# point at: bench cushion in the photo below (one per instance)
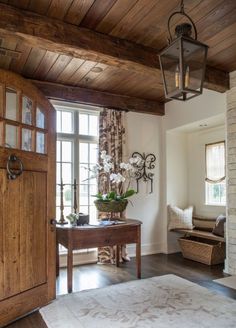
(203, 223)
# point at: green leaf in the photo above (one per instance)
(128, 193)
(98, 196)
(112, 195)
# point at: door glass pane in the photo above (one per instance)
(27, 110)
(83, 152)
(11, 136)
(40, 143)
(83, 124)
(11, 104)
(66, 151)
(26, 140)
(93, 125)
(40, 118)
(66, 122)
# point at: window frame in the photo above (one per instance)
(208, 183)
(75, 137)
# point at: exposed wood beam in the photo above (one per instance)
(98, 98)
(67, 39)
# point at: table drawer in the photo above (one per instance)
(105, 237)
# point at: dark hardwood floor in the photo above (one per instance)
(97, 276)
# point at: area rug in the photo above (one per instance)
(227, 281)
(160, 302)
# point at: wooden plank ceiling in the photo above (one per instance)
(142, 22)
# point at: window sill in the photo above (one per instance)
(215, 205)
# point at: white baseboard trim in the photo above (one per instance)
(146, 249)
(79, 258)
(89, 257)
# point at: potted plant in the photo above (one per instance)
(114, 183)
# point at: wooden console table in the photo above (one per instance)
(82, 237)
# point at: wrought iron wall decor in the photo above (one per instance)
(144, 165)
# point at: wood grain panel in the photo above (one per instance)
(39, 7)
(97, 98)
(114, 15)
(77, 11)
(10, 238)
(19, 3)
(133, 17)
(218, 19)
(58, 8)
(45, 65)
(69, 70)
(81, 72)
(33, 61)
(10, 44)
(227, 55)
(91, 75)
(96, 13)
(33, 229)
(17, 65)
(59, 65)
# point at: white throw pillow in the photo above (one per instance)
(180, 219)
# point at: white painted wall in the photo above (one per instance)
(179, 113)
(176, 177)
(144, 134)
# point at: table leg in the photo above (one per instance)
(117, 255)
(138, 253)
(69, 268)
(57, 258)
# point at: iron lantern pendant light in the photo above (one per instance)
(183, 61)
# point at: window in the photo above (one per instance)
(77, 151)
(215, 186)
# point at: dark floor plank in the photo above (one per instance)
(98, 276)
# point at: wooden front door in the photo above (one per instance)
(27, 198)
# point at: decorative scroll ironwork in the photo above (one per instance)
(144, 165)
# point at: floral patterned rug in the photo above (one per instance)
(160, 302)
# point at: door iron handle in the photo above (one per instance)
(12, 174)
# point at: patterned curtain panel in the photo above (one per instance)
(111, 139)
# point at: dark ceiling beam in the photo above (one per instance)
(98, 98)
(57, 36)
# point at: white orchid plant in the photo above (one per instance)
(114, 181)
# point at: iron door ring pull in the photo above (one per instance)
(12, 174)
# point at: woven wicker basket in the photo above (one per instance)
(202, 250)
(112, 206)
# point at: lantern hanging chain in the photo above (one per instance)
(181, 12)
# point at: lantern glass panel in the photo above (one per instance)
(194, 55)
(170, 67)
